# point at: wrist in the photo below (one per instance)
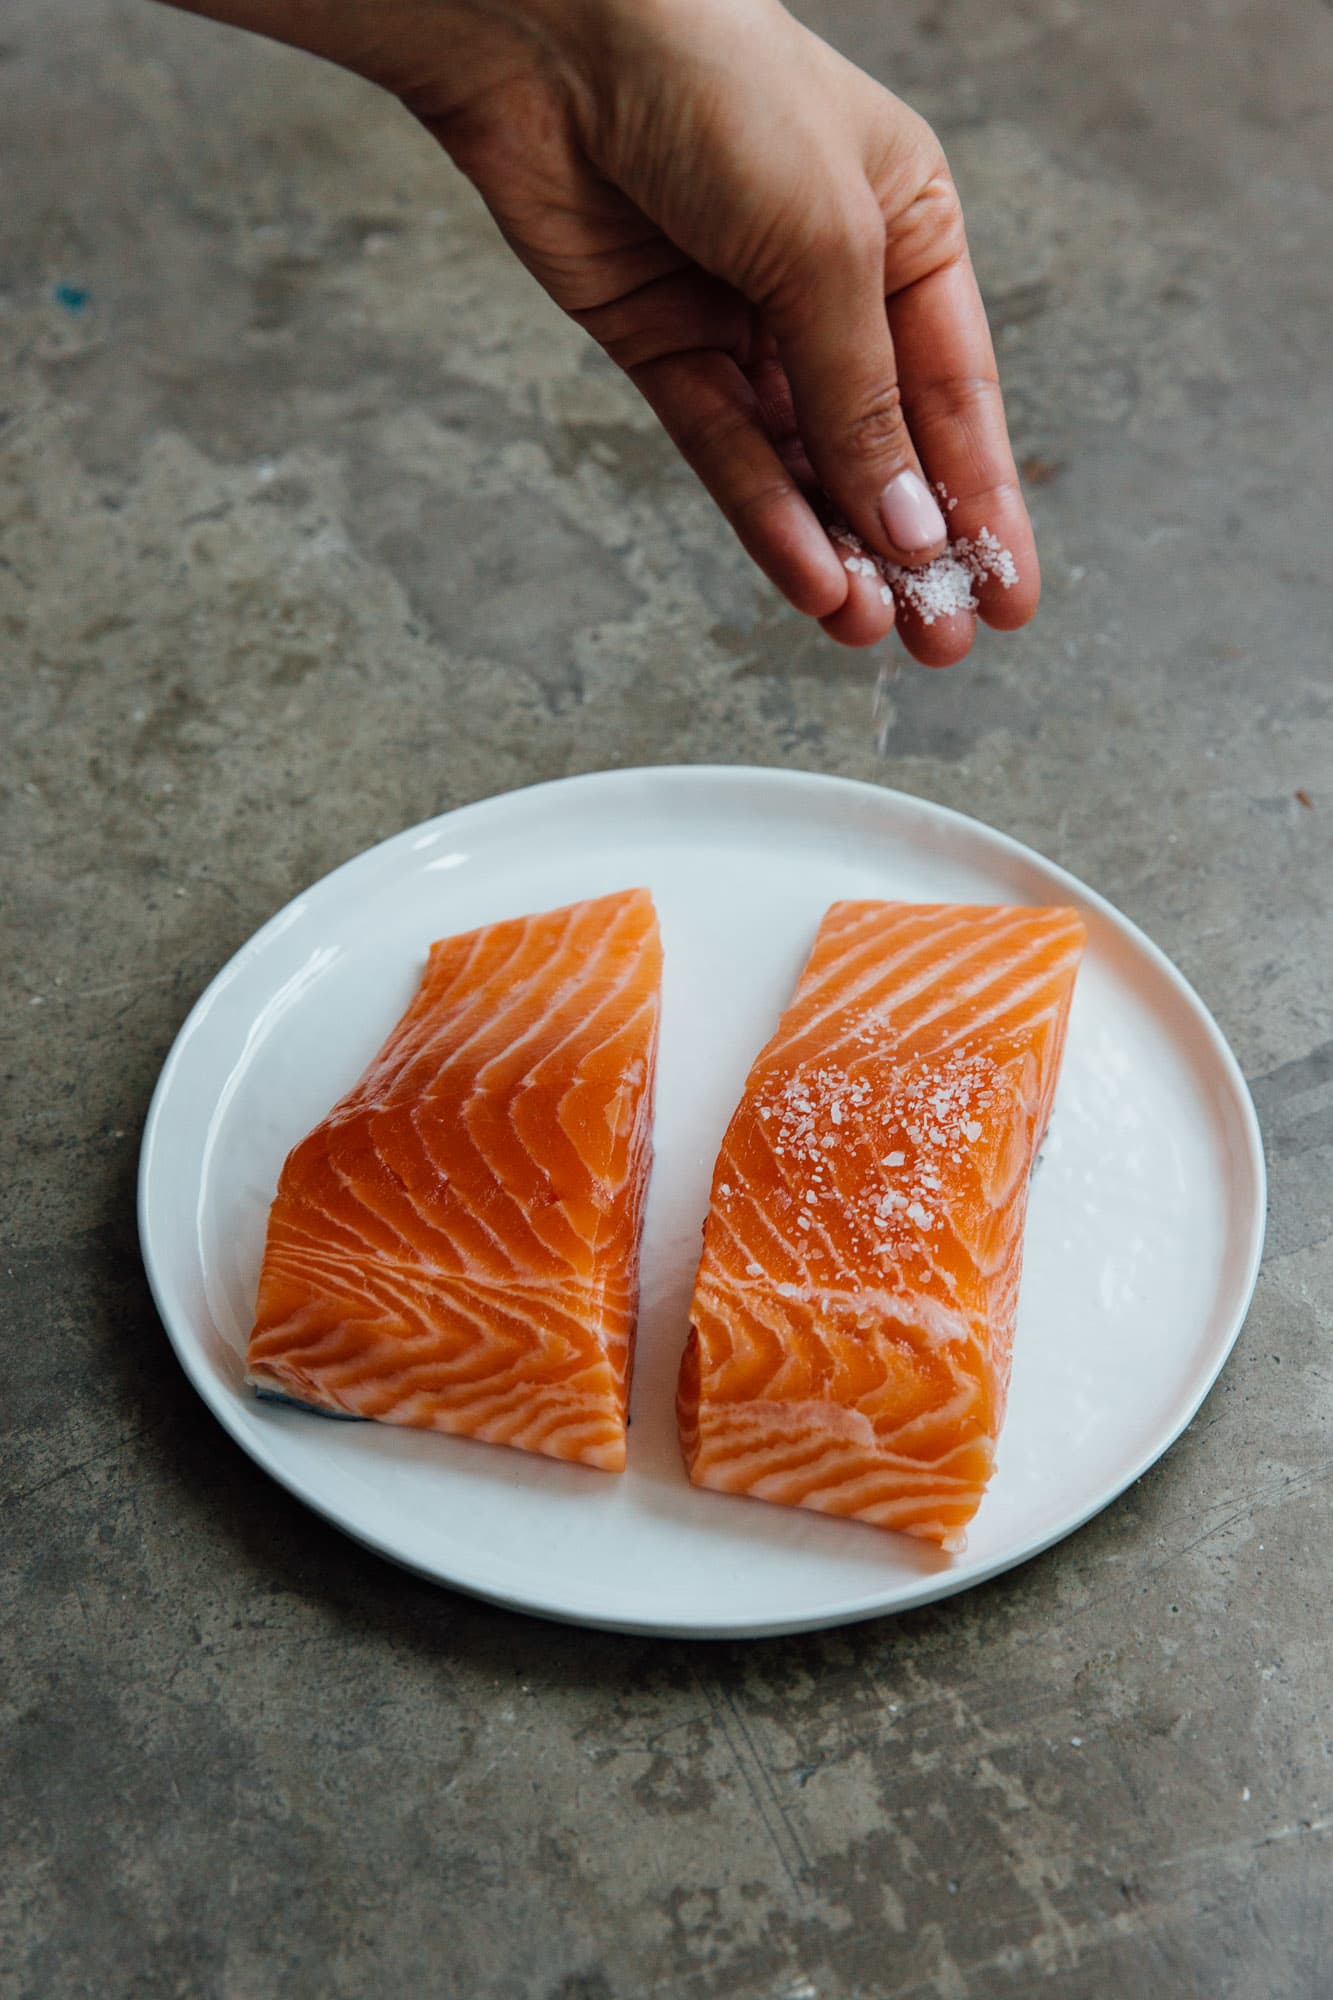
(431, 53)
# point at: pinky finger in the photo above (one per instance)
(712, 416)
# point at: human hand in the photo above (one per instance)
(764, 239)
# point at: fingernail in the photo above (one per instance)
(912, 520)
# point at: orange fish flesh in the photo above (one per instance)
(852, 1321)
(455, 1246)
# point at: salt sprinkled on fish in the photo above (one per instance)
(931, 1111)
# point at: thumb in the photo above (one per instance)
(833, 338)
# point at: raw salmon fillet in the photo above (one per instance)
(456, 1245)
(853, 1315)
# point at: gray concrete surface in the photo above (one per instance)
(316, 521)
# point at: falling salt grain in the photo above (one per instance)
(754, 1270)
(882, 712)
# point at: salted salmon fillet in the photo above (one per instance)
(853, 1316)
(455, 1246)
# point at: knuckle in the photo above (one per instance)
(707, 440)
(931, 229)
(946, 214)
(877, 428)
(967, 410)
(746, 511)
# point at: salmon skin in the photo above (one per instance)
(455, 1247)
(852, 1321)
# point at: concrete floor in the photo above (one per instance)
(318, 520)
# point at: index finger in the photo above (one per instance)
(955, 411)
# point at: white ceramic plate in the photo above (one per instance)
(1143, 1238)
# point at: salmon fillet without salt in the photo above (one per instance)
(456, 1245)
(853, 1316)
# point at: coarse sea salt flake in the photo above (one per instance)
(972, 1131)
(754, 1270)
(937, 589)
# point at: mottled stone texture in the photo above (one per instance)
(317, 519)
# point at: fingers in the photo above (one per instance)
(952, 400)
(893, 376)
(941, 644)
(834, 340)
(866, 617)
(711, 414)
(674, 312)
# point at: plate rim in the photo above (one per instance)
(929, 1588)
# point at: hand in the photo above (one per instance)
(767, 242)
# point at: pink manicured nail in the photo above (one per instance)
(912, 521)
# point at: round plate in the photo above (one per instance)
(1143, 1236)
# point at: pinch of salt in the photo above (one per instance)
(940, 588)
